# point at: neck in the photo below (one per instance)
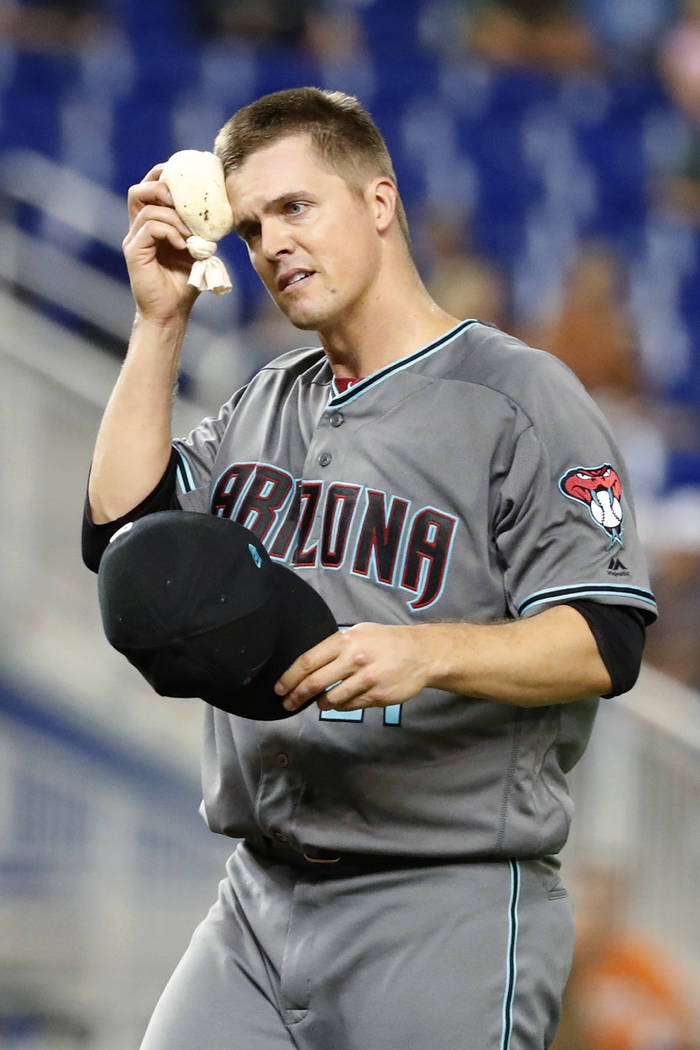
(395, 318)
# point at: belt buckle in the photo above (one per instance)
(322, 860)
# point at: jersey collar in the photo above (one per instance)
(357, 389)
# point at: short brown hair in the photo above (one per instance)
(342, 133)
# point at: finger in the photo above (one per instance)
(148, 235)
(163, 214)
(317, 681)
(318, 684)
(154, 173)
(338, 685)
(154, 213)
(143, 193)
(308, 663)
(321, 680)
(348, 695)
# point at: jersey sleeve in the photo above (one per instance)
(564, 523)
(196, 454)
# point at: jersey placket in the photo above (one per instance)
(282, 781)
(313, 545)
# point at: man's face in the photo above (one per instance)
(311, 238)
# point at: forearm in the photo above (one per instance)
(134, 439)
(548, 658)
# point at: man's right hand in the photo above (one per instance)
(156, 256)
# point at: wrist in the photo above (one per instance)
(443, 644)
(169, 328)
(156, 346)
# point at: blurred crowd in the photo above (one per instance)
(557, 36)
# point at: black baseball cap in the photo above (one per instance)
(197, 605)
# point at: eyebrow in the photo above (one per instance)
(246, 225)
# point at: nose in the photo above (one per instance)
(275, 239)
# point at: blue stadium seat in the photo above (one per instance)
(142, 137)
(29, 105)
(29, 120)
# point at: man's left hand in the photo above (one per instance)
(368, 665)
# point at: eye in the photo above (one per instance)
(585, 477)
(295, 207)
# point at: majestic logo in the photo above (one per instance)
(617, 568)
(600, 489)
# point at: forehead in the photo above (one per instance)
(288, 165)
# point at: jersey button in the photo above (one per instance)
(325, 458)
(337, 419)
(282, 759)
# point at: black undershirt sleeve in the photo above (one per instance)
(96, 537)
(620, 634)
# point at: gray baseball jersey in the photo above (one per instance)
(473, 479)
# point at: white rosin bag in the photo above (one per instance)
(196, 182)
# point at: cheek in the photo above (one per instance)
(357, 251)
(363, 260)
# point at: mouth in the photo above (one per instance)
(293, 278)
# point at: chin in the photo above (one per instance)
(310, 316)
(305, 325)
(305, 320)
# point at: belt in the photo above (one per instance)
(327, 862)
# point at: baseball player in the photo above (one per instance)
(458, 501)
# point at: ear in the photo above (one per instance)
(383, 196)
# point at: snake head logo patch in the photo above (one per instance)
(600, 489)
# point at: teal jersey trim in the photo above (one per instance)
(511, 956)
(183, 472)
(559, 595)
(359, 388)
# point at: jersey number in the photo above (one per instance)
(392, 715)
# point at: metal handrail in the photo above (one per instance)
(64, 195)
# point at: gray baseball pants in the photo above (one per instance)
(457, 956)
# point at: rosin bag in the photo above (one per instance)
(195, 179)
